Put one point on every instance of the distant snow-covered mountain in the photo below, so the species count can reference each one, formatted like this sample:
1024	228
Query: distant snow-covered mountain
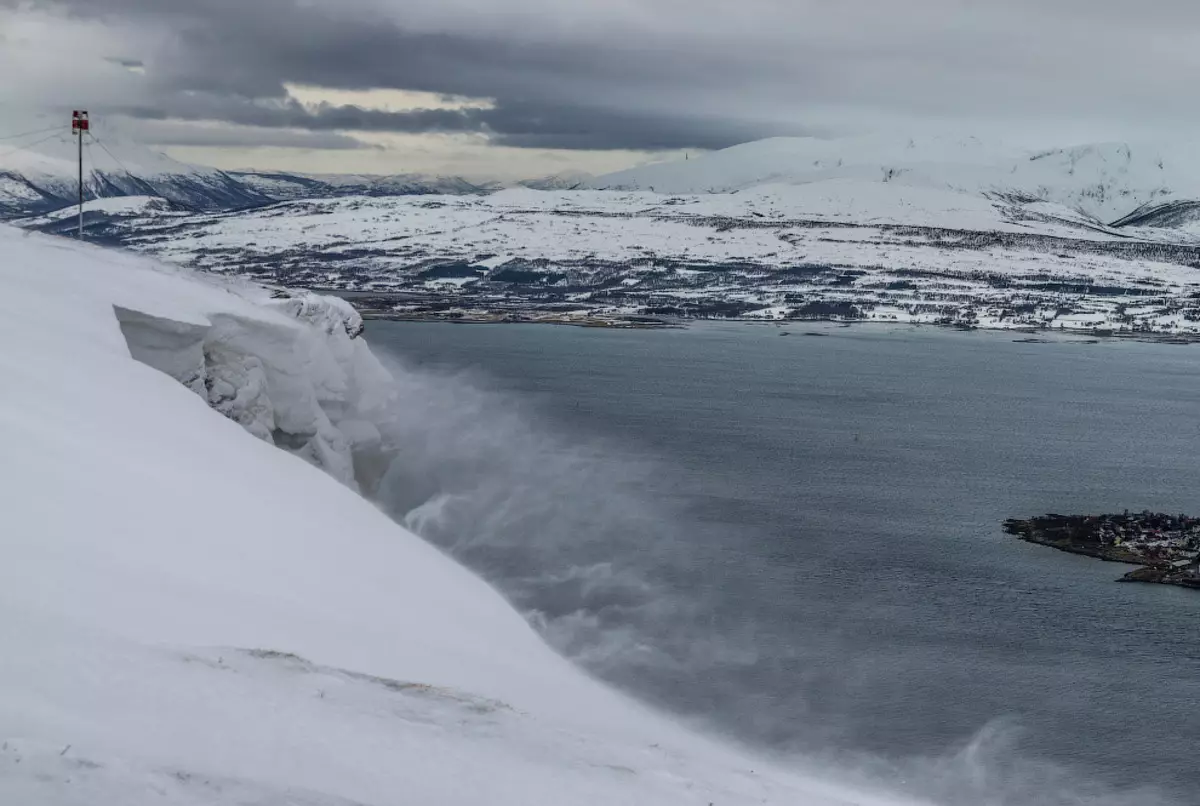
46	177
1106	181
845	249
569	180
284	186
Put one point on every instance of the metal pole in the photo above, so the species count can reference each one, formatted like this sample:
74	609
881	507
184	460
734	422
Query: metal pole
79	134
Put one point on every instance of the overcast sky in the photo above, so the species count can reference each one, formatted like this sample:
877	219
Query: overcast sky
512	88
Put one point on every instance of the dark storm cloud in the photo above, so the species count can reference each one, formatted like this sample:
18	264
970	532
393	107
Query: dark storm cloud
176	133
514	123
229	61
658	73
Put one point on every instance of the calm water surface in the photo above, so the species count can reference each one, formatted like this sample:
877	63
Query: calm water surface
845	494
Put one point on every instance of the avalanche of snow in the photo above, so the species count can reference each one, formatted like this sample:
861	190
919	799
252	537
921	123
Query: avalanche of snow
191	615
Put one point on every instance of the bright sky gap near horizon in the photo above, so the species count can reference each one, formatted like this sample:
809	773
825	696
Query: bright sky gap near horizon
517	88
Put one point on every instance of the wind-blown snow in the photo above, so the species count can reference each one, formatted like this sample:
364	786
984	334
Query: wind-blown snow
191	615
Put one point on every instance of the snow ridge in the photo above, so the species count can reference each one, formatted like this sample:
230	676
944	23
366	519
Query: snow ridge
44	177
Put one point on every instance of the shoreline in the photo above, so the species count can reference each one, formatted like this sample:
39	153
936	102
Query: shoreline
644	322
610	323
1162	557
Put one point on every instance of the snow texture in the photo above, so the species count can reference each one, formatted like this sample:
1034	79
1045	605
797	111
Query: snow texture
192	616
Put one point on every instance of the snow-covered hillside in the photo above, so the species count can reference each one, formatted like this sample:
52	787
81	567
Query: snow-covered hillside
838	249
45	177
290	186
192	615
569	180
1106	181
40	175
104	217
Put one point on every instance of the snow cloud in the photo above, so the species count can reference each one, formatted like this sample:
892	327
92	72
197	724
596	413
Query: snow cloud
636	76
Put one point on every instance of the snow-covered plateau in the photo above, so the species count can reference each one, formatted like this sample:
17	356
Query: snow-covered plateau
191	614
844	249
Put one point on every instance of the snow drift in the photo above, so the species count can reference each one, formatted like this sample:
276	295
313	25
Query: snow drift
191	615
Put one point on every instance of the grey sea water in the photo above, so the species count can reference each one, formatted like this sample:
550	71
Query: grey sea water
797	539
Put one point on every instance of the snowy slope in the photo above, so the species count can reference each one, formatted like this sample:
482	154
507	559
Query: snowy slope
290	186
569	180
104	219
1106	181
193	616
43	176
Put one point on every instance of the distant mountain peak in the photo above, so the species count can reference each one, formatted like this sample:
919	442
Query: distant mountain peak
567	180
44	177
285	186
1106	181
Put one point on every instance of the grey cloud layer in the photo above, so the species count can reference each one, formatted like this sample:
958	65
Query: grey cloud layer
176	133
512	123
660	74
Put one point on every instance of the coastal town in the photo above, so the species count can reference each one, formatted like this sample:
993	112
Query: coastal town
1166	547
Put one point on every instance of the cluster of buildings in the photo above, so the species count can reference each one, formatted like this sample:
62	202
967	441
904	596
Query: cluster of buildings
1155	538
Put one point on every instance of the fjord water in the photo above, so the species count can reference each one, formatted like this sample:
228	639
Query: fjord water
797	539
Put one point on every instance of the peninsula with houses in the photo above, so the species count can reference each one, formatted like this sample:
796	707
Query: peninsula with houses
1165	547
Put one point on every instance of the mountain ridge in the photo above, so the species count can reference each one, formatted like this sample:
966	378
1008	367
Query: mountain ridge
42	178
1107	181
